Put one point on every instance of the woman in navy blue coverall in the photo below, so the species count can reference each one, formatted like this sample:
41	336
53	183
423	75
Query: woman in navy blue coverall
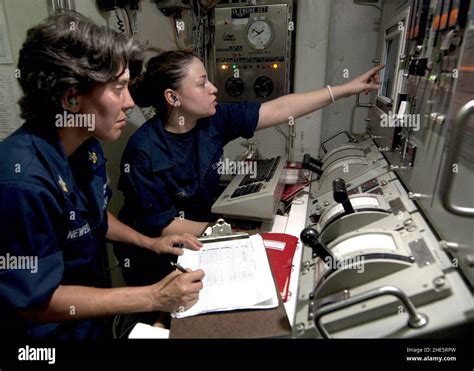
54	192
169	170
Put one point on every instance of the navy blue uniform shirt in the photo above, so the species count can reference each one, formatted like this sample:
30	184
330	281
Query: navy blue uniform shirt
166	175
52	209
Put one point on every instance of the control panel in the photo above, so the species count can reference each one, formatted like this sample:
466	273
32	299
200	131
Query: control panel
253	51
389	237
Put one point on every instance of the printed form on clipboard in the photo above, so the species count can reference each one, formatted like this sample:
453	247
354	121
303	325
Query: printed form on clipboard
237	276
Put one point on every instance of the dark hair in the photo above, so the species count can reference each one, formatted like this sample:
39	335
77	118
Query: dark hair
164	71
67	50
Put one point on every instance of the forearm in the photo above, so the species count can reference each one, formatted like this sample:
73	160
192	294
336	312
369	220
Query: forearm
81	302
121	232
280	110
178	226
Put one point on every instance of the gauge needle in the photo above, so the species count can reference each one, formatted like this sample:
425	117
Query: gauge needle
258	33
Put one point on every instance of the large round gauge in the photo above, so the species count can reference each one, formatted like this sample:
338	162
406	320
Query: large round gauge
259	33
234	86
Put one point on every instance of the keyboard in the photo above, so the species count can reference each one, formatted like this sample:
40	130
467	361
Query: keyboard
253	196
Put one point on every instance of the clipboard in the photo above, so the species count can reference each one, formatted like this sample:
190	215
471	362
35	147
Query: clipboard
248	323
222	231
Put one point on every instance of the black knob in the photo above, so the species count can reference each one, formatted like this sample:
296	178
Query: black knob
341	196
310	236
263	86
340	190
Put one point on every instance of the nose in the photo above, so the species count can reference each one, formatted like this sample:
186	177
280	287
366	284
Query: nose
128	102
213	89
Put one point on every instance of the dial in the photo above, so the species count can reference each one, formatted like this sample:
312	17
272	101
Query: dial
263	86
259	34
234	86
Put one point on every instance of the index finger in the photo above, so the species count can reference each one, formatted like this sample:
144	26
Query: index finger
169	277
189	241
194	276
374	70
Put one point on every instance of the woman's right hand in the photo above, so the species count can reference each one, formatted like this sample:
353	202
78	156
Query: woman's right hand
177	292
364	83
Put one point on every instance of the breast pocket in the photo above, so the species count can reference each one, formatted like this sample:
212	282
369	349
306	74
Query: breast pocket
179	184
77	237
78	246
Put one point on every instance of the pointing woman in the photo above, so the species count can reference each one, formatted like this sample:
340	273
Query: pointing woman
169	170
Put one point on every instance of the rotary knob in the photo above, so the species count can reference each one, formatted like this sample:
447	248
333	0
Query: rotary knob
234	86
263	87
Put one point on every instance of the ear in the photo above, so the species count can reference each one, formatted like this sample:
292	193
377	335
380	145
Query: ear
71	101
171	97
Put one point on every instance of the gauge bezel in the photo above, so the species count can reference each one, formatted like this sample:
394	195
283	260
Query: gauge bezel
246	31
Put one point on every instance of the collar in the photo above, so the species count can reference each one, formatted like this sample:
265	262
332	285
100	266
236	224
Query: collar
89	152
50	150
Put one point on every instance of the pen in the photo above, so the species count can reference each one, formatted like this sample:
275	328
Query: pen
179	267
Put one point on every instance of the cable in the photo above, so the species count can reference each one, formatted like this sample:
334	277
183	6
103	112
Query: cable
119	22
199	31
279	129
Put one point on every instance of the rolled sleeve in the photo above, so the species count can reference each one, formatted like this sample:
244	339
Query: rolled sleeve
237	119
23	288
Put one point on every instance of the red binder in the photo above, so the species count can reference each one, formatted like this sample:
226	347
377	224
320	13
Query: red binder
281	261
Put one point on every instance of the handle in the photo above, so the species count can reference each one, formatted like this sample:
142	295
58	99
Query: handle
310	237
415	319
455	146
367	105
340	195
313	160
351	139
309	163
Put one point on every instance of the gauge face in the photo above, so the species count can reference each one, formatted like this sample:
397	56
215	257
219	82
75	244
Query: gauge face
234	86
259	34
263	86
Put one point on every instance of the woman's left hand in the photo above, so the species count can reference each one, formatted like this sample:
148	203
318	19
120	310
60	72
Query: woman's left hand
175	243
364	83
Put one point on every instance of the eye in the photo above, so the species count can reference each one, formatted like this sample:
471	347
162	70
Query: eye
118	88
